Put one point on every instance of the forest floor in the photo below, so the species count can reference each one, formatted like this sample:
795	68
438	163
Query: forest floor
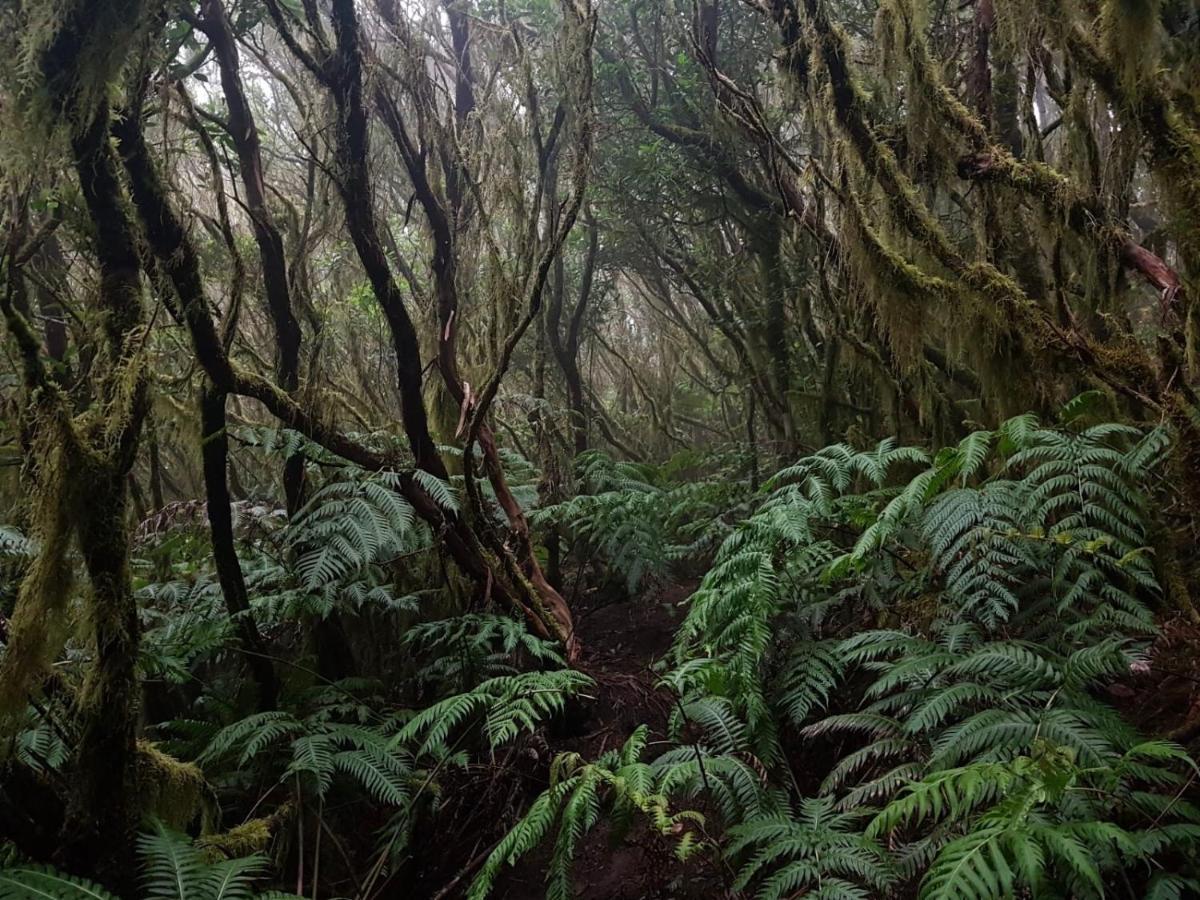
622	639
1163	699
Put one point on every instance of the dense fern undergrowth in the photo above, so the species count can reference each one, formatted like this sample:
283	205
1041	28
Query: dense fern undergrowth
890	682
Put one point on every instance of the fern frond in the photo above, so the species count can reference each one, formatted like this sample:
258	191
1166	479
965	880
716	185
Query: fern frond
30	882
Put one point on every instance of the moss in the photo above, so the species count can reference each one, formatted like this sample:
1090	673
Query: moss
1129	30
175	792
68	57
252	836
38	626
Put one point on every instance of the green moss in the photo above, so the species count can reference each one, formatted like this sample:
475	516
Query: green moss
250	837
1129	30
39	624
172	791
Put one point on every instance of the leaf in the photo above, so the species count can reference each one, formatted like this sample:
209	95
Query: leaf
31	882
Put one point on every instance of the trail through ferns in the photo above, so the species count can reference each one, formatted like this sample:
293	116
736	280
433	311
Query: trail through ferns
625	638
885	671
578	449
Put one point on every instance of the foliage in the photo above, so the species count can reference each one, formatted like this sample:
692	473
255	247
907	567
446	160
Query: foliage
1045	823
574	802
504	706
1012	578
354	355
824	854
643	520
173	868
1051	548
466	649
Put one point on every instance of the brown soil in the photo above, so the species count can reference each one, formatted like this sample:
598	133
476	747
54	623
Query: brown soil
1163	698
622	640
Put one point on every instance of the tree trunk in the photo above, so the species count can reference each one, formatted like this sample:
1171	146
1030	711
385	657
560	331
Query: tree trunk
523	581
566	346
244	132
102	816
214	448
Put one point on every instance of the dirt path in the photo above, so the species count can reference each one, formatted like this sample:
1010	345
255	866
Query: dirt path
622	641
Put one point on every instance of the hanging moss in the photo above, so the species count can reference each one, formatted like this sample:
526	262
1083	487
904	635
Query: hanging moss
899	288
68	58
1130	30
39	624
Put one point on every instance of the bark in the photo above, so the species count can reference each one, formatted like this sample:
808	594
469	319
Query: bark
551	486
774	408
180	263
157	498
442	214
828	399
102	816
214	448
244	132
335	658
772	329
345	80
661	422
50	308
710	22
1120	367
565	346
1173	145
1083	213
979	73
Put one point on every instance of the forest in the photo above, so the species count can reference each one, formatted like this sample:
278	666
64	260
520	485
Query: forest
599	449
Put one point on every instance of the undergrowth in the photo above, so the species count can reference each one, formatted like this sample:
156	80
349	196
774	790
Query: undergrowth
943	624
890	679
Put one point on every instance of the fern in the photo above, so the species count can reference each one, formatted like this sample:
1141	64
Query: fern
173	868
818	851
317	749
350	524
640	521
30	882
502	707
969	534
40	745
469	648
14	546
573	802
1043	823
1015	565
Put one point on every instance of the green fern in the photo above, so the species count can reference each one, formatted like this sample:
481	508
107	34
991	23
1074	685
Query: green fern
1017	562
1041	823
573	802
467	649
501	707
173	868
350	524
641	521
818	852
30	882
